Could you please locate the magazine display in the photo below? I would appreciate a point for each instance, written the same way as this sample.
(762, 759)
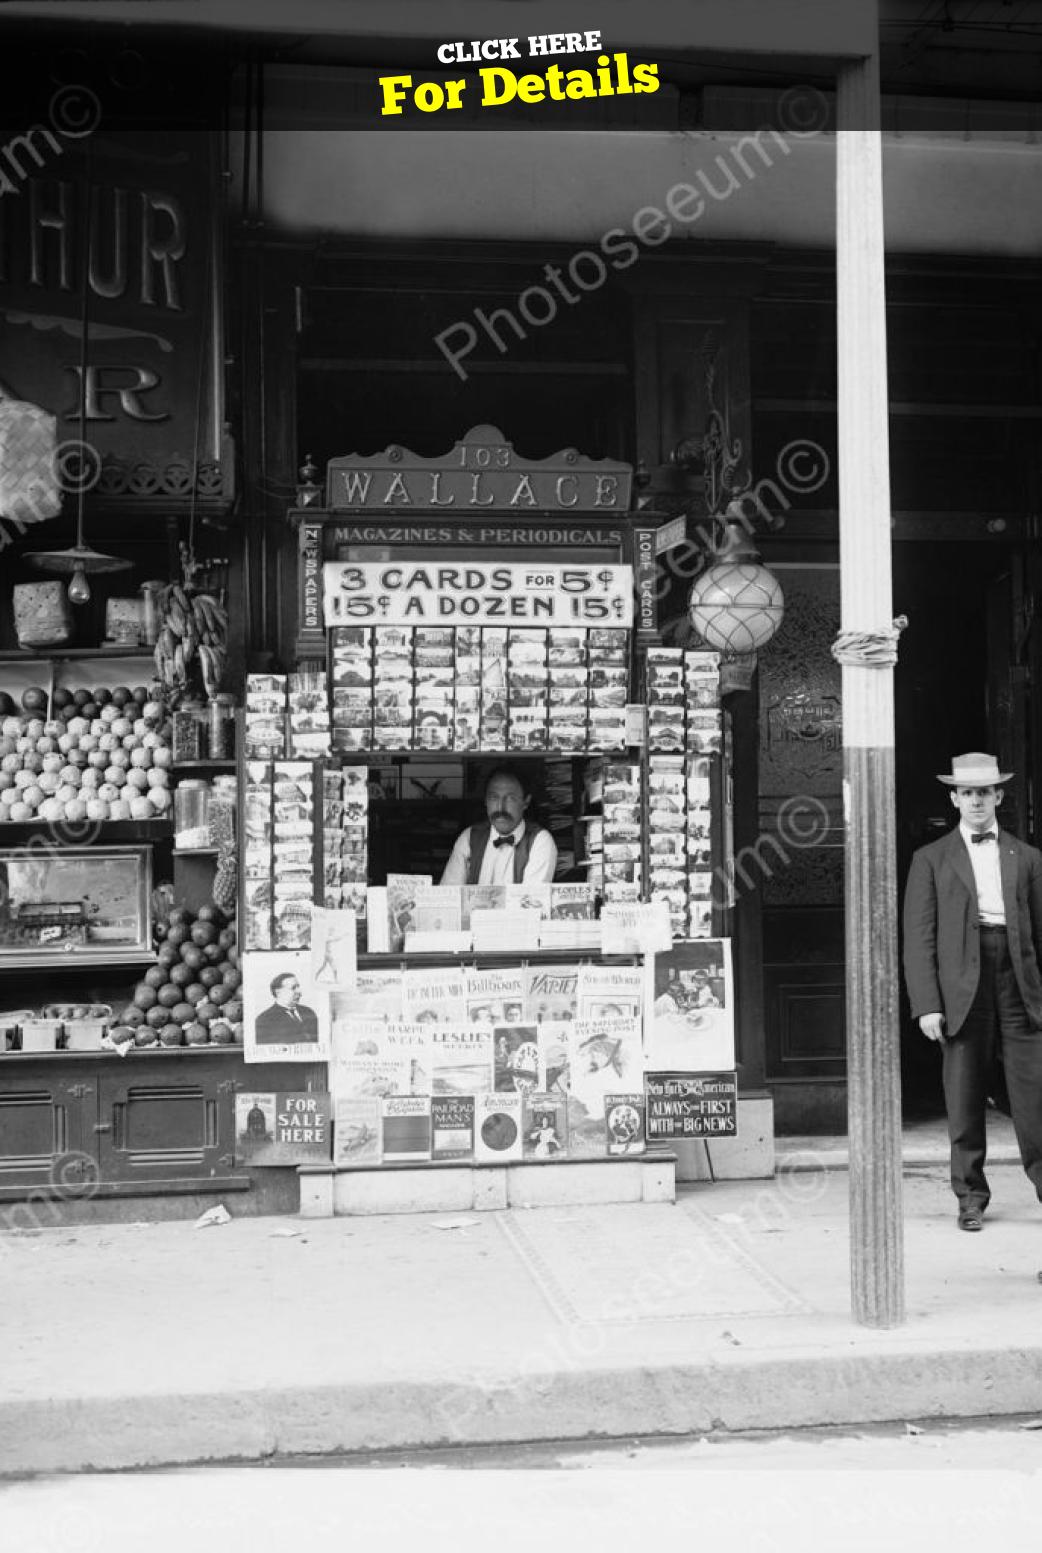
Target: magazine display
(606, 992)
(382, 1059)
(544, 1126)
(461, 1059)
(605, 1057)
(495, 997)
(435, 996)
(497, 1128)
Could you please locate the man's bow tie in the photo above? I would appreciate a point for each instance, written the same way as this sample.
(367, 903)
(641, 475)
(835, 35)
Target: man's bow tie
(984, 835)
(503, 841)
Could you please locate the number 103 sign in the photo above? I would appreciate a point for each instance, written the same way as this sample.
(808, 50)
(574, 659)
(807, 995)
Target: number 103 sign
(520, 594)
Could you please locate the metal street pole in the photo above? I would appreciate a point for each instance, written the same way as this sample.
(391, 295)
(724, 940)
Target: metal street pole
(867, 650)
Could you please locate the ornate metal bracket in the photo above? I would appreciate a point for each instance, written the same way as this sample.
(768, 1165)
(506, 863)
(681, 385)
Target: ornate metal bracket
(716, 453)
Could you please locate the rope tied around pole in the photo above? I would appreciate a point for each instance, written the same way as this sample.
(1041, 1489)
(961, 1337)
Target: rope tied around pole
(869, 649)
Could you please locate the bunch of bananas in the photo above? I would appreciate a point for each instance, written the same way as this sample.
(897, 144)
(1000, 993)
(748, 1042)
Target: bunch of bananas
(193, 632)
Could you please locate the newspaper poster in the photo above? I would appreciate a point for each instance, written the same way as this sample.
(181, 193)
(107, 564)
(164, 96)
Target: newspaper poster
(689, 1021)
(691, 1105)
(285, 1016)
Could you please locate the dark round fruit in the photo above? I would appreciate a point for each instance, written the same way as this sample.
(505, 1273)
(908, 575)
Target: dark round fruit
(169, 955)
(209, 976)
(102, 696)
(181, 975)
(233, 1010)
(138, 694)
(121, 695)
(221, 1033)
(157, 1017)
(232, 978)
(205, 1010)
(171, 1035)
(61, 698)
(169, 995)
(180, 916)
(177, 934)
(155, 976)
(196, 1035)
(227, 938)
(90, 710)
(144, 1035)
(144, 995)
(81, 697)
(232, 955)
(203, 933)
(221, 993)
(34, 699)
(192, 955)
(195, 993)
(182, 1013)
(214, 954)
(132, 1015)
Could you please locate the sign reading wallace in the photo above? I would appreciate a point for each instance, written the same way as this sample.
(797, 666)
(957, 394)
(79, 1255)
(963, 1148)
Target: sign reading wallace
(481, 473)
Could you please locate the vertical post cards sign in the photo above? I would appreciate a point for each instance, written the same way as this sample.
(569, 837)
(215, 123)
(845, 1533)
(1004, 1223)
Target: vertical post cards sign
(507, 593)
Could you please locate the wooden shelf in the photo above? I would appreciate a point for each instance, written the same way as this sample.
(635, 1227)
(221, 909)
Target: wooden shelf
(135, 1051)
(70, 654)
(203, 765)
(88, 960)
(12, 834)
(374, 962)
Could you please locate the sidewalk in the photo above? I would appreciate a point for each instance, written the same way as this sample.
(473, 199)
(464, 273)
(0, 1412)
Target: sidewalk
(127, 1345)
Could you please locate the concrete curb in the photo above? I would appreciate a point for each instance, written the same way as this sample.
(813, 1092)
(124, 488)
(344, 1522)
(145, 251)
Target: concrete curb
(734, 1393)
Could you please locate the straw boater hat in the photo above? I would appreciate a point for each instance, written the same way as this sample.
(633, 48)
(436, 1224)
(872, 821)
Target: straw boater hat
(975, 770)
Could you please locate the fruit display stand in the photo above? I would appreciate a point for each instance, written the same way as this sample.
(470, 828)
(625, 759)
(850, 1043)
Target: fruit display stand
(132, 1118)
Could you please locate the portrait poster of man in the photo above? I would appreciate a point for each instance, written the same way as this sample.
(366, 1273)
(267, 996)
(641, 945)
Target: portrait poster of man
(285, 1014)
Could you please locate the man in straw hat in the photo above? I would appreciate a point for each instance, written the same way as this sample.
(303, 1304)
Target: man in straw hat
(972, 946)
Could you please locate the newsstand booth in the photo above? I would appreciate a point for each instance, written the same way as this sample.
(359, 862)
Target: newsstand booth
(456, 615)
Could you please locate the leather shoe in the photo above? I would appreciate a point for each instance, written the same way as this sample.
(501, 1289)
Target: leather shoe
(971, 1219)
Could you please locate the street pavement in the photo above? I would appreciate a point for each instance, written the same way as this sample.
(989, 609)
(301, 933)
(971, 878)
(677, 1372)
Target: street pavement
(159, 1343)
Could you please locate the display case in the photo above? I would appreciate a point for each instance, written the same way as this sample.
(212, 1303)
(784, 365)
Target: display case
(91, 905)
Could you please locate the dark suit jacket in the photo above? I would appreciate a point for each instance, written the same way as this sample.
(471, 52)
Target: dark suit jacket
(942, 928)
(275, 1027)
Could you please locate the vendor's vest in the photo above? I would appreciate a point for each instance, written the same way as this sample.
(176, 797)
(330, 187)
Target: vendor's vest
(480, 836)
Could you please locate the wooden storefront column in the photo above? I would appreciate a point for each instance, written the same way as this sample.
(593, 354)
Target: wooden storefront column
(873, 1054)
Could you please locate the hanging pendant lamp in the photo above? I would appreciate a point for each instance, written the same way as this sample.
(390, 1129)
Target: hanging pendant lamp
(80, 560)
